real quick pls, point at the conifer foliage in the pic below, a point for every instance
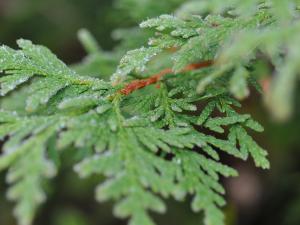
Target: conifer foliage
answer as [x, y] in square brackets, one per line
[156, 128]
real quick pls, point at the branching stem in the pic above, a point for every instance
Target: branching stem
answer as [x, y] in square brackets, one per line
[138, 84]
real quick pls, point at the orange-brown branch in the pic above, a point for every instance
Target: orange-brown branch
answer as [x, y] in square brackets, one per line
[138, 84]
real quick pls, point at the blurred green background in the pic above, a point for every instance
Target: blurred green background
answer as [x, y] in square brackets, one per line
[255, 197]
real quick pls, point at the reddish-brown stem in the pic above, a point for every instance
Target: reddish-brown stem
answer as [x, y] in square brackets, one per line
[138, 84]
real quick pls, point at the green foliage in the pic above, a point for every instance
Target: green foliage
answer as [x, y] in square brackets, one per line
[158, 142]
[125, 141]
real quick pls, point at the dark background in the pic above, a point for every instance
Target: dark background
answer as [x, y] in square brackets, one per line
[255, 197]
